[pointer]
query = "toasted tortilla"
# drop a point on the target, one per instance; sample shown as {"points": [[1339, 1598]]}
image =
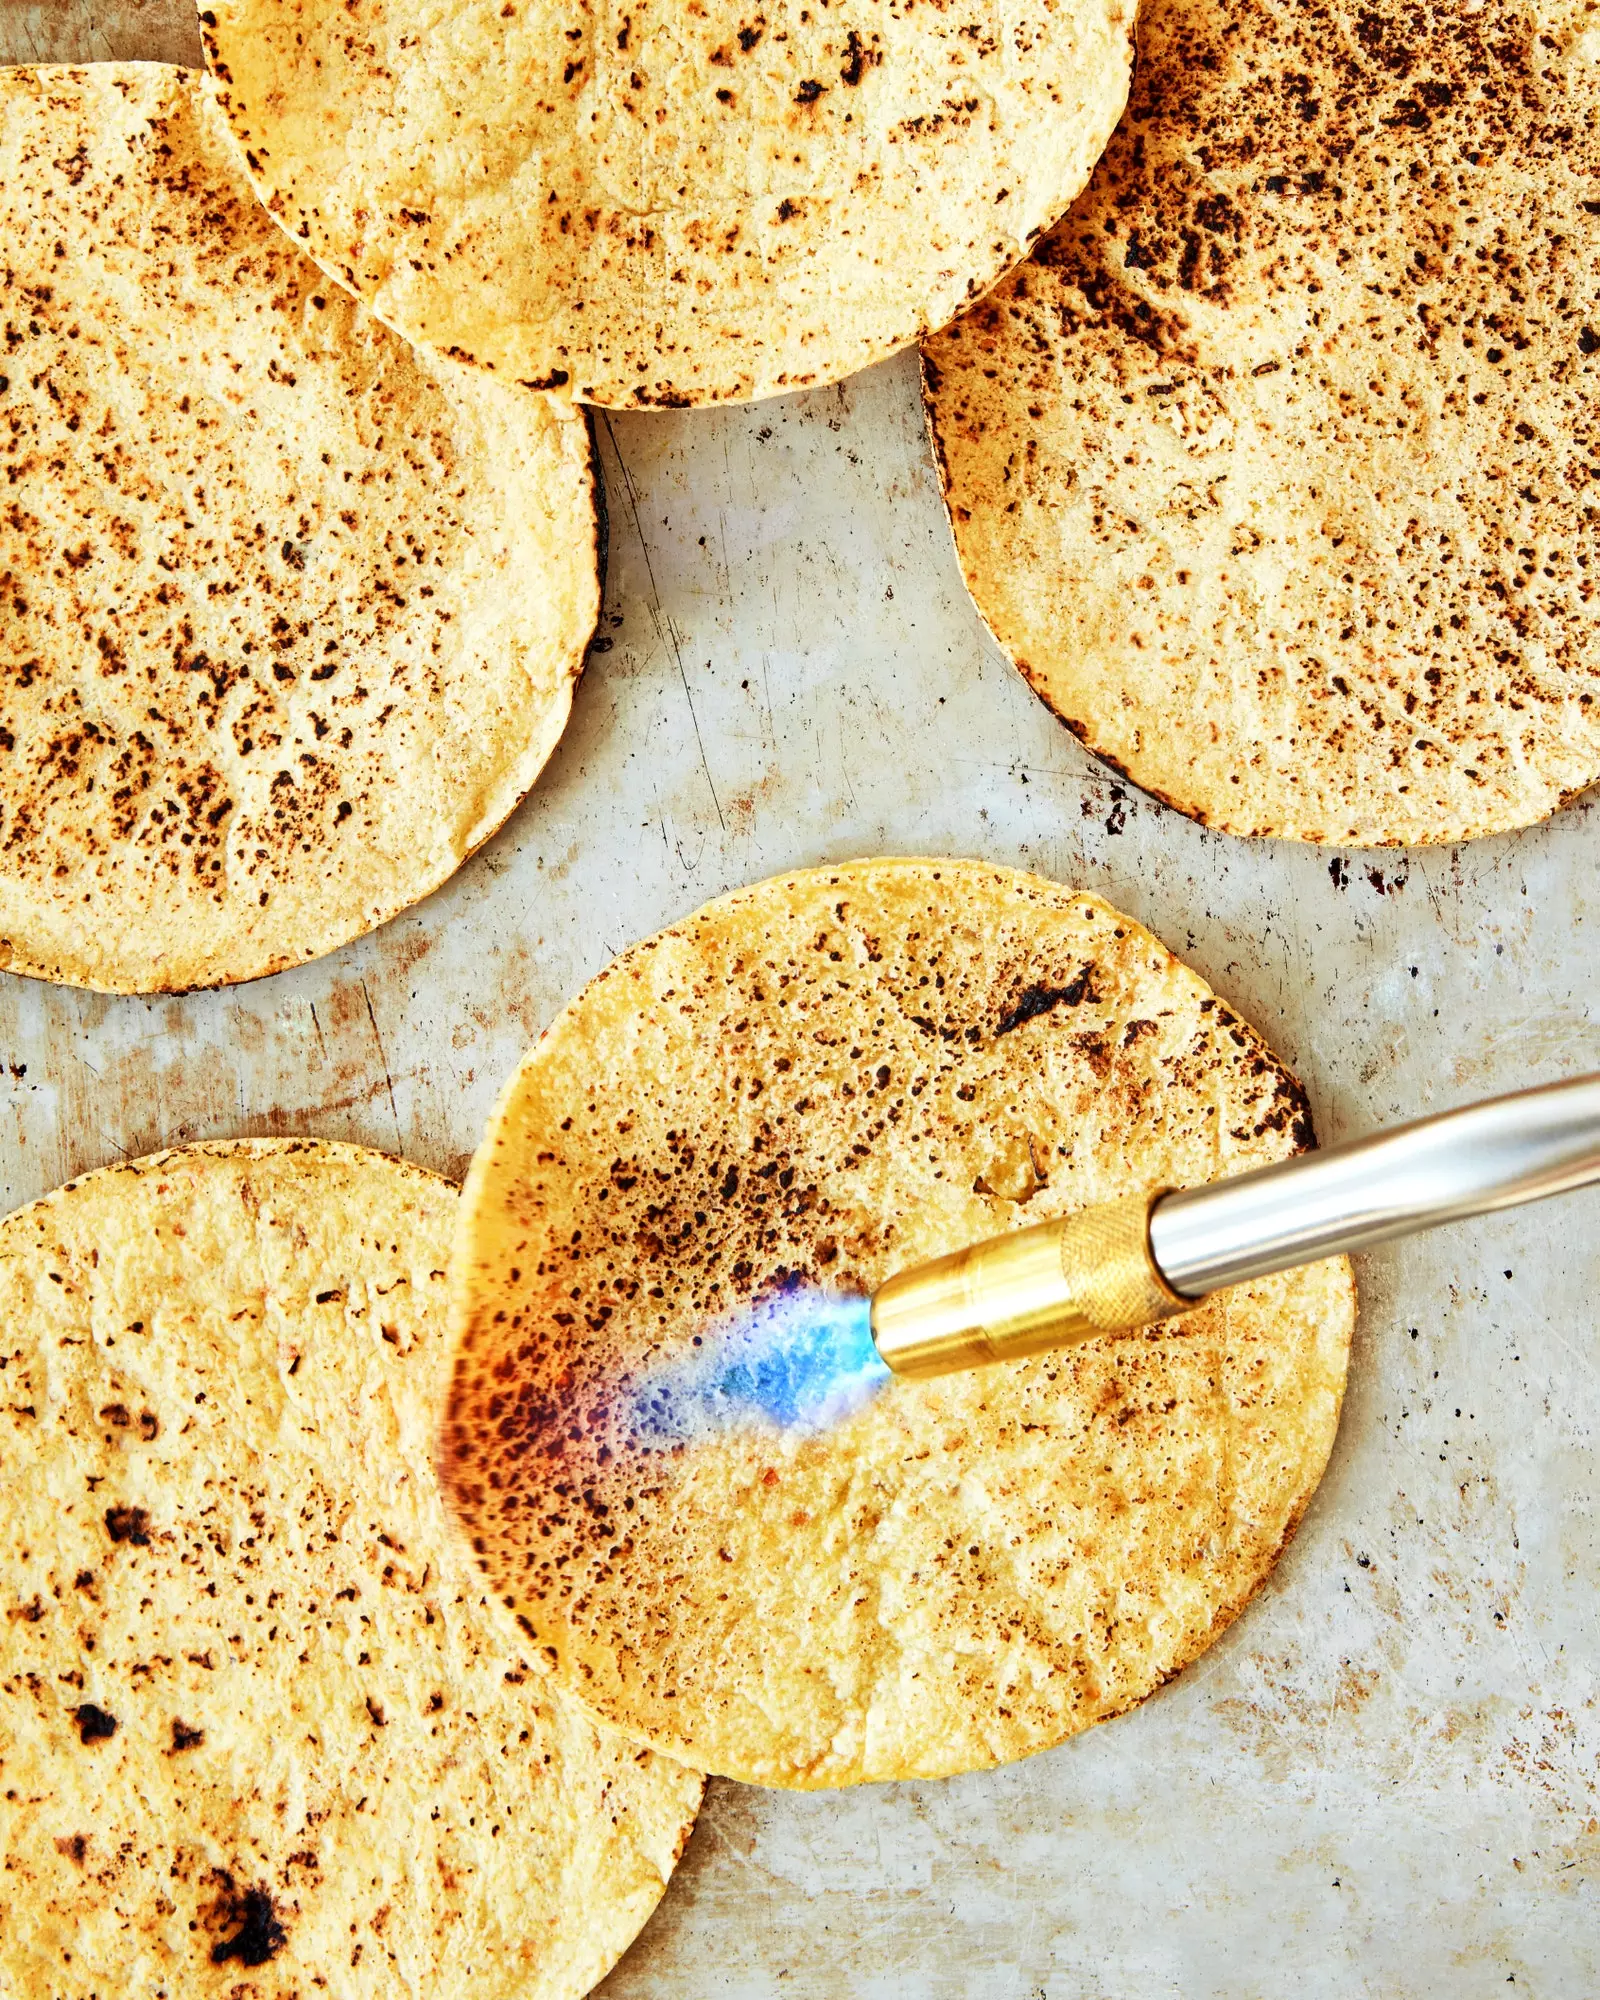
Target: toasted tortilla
{"points": [[293, 613], [656, 204], [1272, 469], [797, 1091], [261, 1730]]}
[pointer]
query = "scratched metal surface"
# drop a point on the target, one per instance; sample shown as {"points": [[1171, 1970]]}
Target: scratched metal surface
{"points": [[1386, 1779]]}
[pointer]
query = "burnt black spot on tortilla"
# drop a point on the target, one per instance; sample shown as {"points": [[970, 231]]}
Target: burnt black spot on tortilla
{"points": [[808, 92], [858, 60], [1037, 1000], [94, 1725], [260, 1936], [185, 1738], [128, 1524]]}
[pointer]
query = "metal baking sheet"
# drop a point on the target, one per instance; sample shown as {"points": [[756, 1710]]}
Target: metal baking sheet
{"points": [[1385, 1780]]}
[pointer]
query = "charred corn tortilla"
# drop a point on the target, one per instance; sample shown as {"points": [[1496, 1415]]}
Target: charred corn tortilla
{"points": [[292, 614], [660, 204], [1273, 468], [261, 1732], [818, 1081]]}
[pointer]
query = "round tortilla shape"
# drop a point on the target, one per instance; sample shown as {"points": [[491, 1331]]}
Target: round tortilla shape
{"points": [[821, 1080], [650, 205], [293, 613], [261, 1729], [1271, 468]]}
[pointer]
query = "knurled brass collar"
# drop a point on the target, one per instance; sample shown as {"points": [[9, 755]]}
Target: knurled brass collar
{"points": [[1026, 1292], [1111, 1277]]}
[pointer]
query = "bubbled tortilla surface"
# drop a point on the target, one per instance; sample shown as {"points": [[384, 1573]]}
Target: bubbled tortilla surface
{"points": [[290, 613], [656, 203], [1272, 468], [816, 1082], [261, 1731]]}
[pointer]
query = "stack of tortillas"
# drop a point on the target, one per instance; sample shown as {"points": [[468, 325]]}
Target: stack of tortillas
{"points": [[668, 204], [255, 1708], [292, 612], [811, 1084], [1273, 468]]}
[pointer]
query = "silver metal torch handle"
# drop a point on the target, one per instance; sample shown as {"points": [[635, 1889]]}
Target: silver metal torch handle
{"points": [[1491, 1155]]}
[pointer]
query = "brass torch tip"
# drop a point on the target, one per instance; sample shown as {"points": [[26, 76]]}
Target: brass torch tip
{"points": [[1047, 1287]]}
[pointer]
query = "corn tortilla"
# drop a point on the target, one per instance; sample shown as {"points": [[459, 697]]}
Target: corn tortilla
{"points": [[293, 614], [1273, 467], [262, 1732], [654, 204], [818, 1081]]}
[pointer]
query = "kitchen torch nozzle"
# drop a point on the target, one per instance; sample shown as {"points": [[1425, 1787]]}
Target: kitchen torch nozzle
{"points": [[1133, 1262]]}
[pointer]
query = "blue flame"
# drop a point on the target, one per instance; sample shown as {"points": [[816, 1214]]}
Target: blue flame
{"points": [[802, 1361]]}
